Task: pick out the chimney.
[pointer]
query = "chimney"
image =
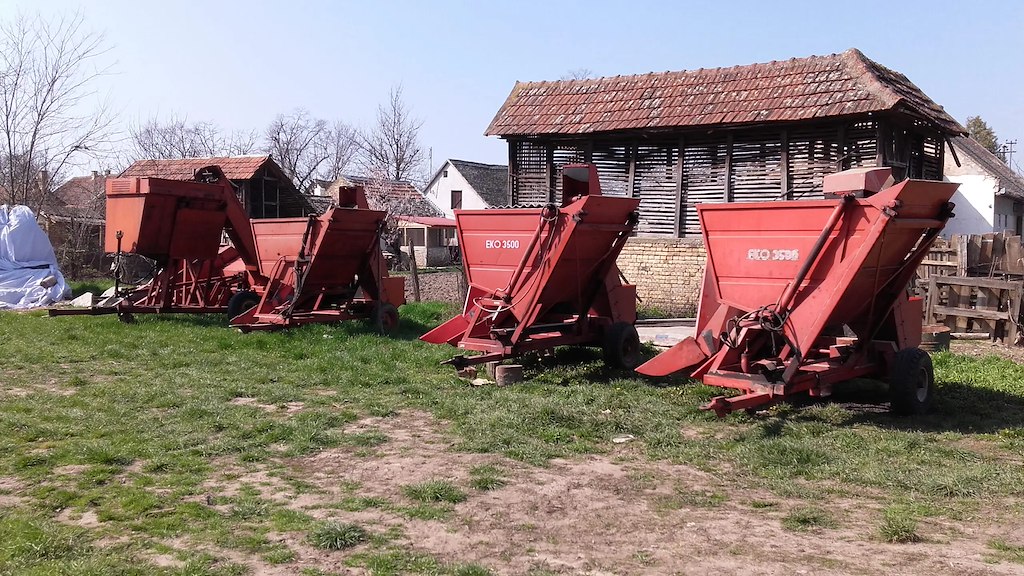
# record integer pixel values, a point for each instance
(95, 174)
(106, 172)
(44, 180)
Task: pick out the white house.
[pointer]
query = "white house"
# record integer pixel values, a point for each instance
(469, 185)
(991, 194)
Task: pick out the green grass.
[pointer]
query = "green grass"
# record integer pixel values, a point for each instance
(337, 535)
(808, 518)
(433, 491)
(486, 477)
(131, 423)
(898, 526)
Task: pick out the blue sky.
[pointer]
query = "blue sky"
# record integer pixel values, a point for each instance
(237, 64)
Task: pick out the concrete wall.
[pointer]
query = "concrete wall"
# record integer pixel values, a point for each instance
(666, 271)
(975, 205)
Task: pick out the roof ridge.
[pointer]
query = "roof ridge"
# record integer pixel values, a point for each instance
(478, 163)
(865, 73)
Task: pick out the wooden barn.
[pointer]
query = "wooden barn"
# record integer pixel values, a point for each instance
(759, 132)
(747, 133)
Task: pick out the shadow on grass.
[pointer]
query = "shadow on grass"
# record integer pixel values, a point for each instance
(957, 407)
(184, 319)
(410, 327)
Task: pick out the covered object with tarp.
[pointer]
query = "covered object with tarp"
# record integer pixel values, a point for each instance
(28, 267)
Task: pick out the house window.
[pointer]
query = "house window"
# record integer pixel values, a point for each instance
(444, 174)
(456, 199)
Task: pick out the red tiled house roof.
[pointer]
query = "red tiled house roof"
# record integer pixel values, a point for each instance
(792, 90)
(243, 171)
(234, 167)
(396, 196)
(80, 196)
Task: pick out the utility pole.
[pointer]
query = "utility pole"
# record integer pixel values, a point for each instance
(1006, 151)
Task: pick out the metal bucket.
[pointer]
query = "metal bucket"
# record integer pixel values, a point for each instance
(935, 338)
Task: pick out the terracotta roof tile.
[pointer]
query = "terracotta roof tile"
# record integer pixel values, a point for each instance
(234, 167)
(795, 89)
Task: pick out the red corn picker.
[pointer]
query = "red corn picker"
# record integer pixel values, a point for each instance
(322, 269)
(545, 277)
(178, 226)
(276, 273)
(801, 295)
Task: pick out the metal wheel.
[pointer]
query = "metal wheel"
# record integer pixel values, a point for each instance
(241, 302)
(385, 318)
(911, 382)
(621, 346)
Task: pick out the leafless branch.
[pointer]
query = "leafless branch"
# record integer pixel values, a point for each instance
(392, 147)
(309, 148)
(51, 117)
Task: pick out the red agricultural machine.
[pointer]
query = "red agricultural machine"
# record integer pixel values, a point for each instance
(323, 269)
(177, 226)
(545, 277)
(275, 273)
(801, 295)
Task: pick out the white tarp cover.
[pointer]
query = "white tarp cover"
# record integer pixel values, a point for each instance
(27, 262)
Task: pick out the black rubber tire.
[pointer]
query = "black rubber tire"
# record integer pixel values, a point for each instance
(911, 382)
(385, 318)
(126, 317)
(241, 302)
(621, 346)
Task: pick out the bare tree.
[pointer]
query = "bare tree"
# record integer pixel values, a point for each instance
(578, 74)
(392, 147)
(179, 138)
(50, 115)
(309, 148)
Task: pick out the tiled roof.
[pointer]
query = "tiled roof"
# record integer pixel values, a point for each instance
(79, 196)
(796, 89)
(1011, 182)
(234, 167)
(397, 196)
(489, 180)
(319, 204)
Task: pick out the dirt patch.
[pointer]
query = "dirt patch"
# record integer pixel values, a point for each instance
(443, 286)
(51, 386)
(983, 348)
(10, 489)
(611, 514)
(87, 519)
(287, 408)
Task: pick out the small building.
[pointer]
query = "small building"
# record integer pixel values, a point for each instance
(411, 217)
(470, 185)
(433, 239)
(262, 186)
(991, 194)
(674, 140)
(73, 217)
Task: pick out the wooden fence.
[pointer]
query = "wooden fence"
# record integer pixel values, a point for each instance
(975, 284)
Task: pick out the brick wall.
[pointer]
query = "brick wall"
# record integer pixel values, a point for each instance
(667, 272)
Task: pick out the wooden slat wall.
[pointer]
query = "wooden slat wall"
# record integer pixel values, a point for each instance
(812, 154)
(672, 175)
(932, 161)
(529, 182)
(703, 179)
(756, 168)
(654, 183)
(561, 155)
(860, 148)
(612, 161)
